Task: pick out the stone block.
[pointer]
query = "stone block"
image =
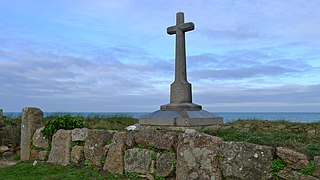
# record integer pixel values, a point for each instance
(197, 156)
(60, 147)
(242, 160)
(316, 171)
(94, 145)
(293, 159)
(156, 139)
(77, 154)
(79, 134)
(164, 165)
(39, 140)
(114, 160)
(42, 155)
(4, 149)
(137, 160)
(31, 120)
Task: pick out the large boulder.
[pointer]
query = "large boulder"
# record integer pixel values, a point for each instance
(10, 135)
(39, 140)
(79, 134)
(293, 159)
(61, 146)
(31, 119)
(4, 149)
(156, 139)
(137, 160)
(94, 145)
(242, 160)
(114, 160)
(165, 164)
(198, 156)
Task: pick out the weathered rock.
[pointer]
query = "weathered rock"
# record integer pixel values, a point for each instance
(10, 135)
(61, 145)
(242, 160)
(42, 155)
(137, 160)
(197, 156)
(4, 149)
(94, 145)
(316, 171)
(7, 154)
(114, 161)
(288, 174)
(77, 154)
(164, 166)
(79, 134)
(39, 140)
(293, 159)
(156, 139)
(130, 139)
(33, 154)
(31, 120)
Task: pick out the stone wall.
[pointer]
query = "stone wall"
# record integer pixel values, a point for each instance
(169, 154)
(158, 154)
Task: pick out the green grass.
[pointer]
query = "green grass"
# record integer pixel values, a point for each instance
(47, 171)
(272, 133)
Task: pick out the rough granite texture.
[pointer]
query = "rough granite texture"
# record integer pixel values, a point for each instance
(39, 140)
(114, 161)
(164, 165)
(137, 160)
(79, 134)
(316, 172)
(197, 156)
(293, 159)
(77, 154)
(31, 119)
(60, 147)
(242, 160)
(156, 139)
(94, 145)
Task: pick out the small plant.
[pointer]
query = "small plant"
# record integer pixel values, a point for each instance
(103, 160)
(16, 157)
(61, 122)
(276, 166)
(156, 177)
(309, 169)
(114, 176)
(132, 175)
(87, 163)
(154, 156)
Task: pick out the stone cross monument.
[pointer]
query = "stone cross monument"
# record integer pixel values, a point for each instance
(180, 111)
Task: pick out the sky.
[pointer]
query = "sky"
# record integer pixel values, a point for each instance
(116, 56)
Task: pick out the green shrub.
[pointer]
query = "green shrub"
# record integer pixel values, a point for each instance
(61, 122)
(132, 175)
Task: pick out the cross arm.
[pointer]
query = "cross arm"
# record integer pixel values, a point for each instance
(172, 30)
(187, 27)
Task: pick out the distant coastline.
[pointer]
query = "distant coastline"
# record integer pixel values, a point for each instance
(228, 116)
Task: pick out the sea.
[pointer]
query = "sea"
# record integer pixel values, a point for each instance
(227, 116)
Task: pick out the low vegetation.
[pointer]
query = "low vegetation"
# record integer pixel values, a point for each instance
(302, 137)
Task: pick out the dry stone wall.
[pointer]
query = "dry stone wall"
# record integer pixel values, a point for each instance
(158, 154)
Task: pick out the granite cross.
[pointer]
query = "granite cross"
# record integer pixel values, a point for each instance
(180, 88)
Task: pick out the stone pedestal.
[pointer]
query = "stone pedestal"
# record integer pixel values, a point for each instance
(31, 120)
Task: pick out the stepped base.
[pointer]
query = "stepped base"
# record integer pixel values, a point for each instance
(181, 118)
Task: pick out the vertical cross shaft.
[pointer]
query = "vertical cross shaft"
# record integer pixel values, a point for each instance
(180, 88)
